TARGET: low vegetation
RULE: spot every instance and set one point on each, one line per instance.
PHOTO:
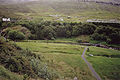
(23, 62)
(7, 75)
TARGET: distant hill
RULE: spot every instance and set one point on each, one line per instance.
(77, 10)
(16, 1)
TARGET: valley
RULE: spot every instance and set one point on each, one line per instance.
(59, 40)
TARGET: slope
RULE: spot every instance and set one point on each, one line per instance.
(60, 10)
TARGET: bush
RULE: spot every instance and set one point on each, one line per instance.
(16, 35)
(100, 37)
(33, 37)
(108, 34)
(41, 69)
(45, 32)
(20, 65)
(7, 75)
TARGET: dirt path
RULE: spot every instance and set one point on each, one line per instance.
(89, 65)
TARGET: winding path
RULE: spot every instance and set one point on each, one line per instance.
(89, 65)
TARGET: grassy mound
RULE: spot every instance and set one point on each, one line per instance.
(23, 62)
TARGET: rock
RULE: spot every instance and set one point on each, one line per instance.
(61, 19)
(69, 17)
(75, 78)
(90, 55)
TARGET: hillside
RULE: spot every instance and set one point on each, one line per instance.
(19, 64)
(59, 39)
(64, 10)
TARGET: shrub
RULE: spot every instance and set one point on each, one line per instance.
(100, 37)
(7, 75)
(33, 37)
(16, 35)
(40, 69)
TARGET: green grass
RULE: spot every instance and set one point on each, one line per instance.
(84, 38)
(42, 47)
(96, 51)
(69, 66)
(65, 59)
(106, 62)
(107, 68)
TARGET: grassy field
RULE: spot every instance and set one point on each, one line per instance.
(105, 62)
(65, 59)
(41, 47)
(104, 52)
(69, 66)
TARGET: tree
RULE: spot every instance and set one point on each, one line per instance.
(88, 28)
(108, 34)
(100, 37)
(46, 32)
(16, 35)
(60, 31)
